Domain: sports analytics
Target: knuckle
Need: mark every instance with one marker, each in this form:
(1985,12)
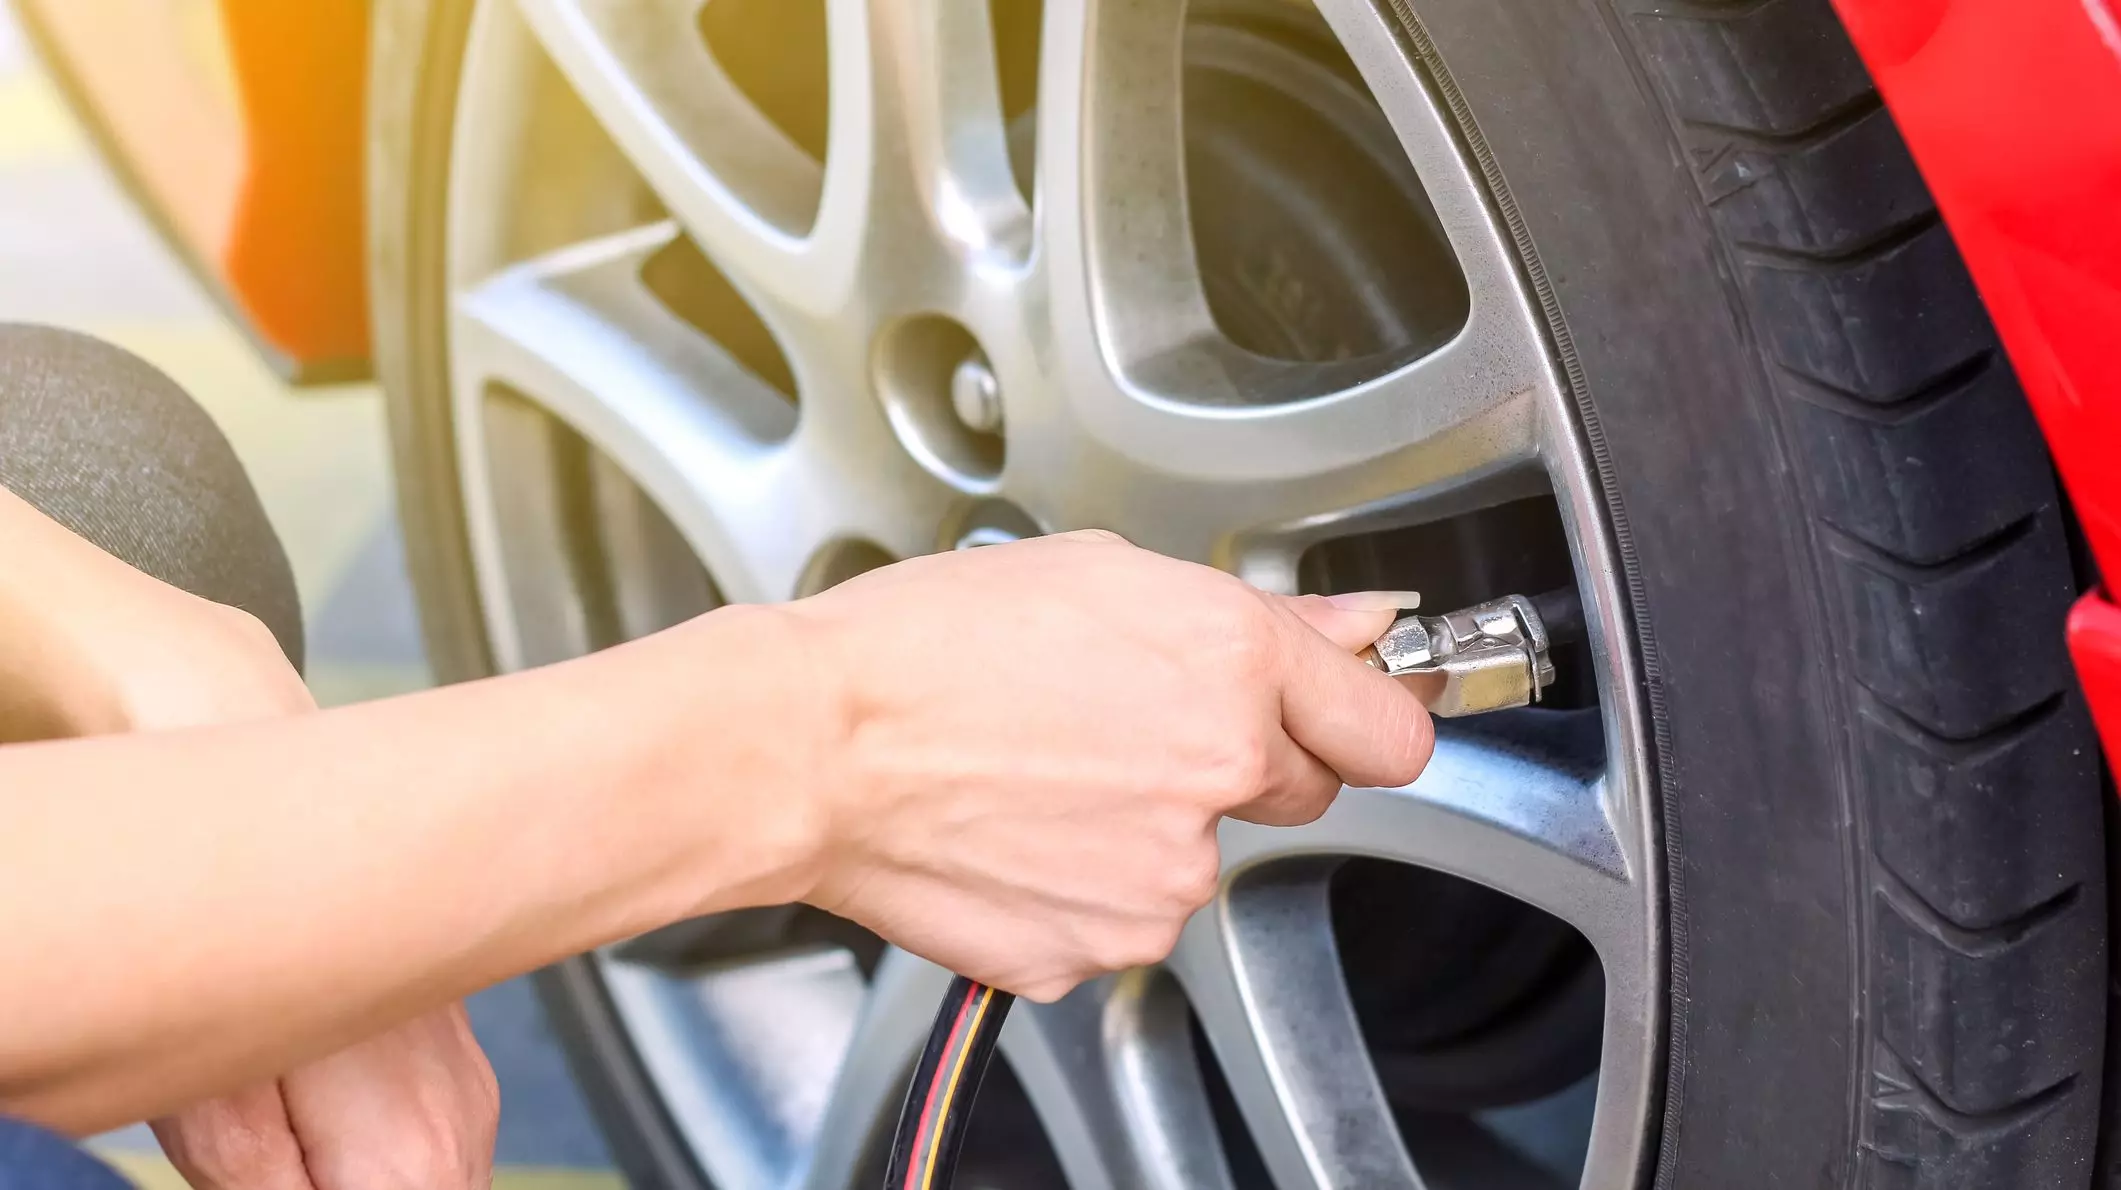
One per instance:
(1240,770)
(1160,939)
(1279,811)
(485,1105)
(1111,952)
(1304,812)
(1046,991)
(1093,536)
(1117,950)
(1227,618)
(1142,943)
(436,1150)
(1310,802)
(480,1088)
(430,1158)
(240,1140)
(1197,879)
(1240,622)
(230,1157)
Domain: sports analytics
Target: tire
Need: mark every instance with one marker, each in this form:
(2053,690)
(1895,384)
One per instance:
(1848,562)
(1844,550)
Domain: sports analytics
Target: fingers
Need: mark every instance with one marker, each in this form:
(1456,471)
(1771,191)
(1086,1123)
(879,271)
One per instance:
(1090,537)
(241,1141)
(416,1106)
(1299,788)
(1353,621)
(1364,726)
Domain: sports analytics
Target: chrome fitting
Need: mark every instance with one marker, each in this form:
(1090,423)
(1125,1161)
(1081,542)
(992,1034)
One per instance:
(1492,656)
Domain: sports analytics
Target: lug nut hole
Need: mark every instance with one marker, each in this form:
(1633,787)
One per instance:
(839,561)
(944,400)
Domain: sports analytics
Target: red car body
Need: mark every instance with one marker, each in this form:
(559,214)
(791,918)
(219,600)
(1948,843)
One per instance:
(2011,107)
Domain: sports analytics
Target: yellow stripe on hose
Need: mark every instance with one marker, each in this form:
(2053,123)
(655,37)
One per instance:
(942,1107)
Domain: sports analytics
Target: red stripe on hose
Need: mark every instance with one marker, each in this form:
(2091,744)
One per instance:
(935,1084)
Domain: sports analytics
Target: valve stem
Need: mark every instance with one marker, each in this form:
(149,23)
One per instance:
(1493,655)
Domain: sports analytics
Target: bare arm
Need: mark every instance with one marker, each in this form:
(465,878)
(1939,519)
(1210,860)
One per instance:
(202,907)
(168,900)
(190,911)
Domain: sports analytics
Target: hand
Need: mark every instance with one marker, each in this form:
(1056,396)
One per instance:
(95,646)
(1039,740)
(414,1109)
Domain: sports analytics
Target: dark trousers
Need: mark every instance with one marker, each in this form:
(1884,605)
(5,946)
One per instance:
(33,1159)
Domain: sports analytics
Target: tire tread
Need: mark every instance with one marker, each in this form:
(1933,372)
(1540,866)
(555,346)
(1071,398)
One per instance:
(1941,540)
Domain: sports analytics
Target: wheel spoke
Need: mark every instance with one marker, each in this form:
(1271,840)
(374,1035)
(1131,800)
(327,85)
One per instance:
(1209,412)
(579,336)
(1112,181)
(1627,1062)
(920,157)
(1242,448)
(750,1059)
(1521,821)
(1112,1070)
(1263,973)
(735,181)
(1471,420)
(1284,484)
(1455,188)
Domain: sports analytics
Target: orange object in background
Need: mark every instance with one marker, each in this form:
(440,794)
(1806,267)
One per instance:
(237,124)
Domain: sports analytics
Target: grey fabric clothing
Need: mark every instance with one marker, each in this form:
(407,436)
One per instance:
(101,442)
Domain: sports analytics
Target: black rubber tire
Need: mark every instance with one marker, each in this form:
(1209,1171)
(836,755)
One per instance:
(1844,548)
(1846,555)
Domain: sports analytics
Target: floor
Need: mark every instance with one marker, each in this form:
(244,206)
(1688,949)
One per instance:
(74,253)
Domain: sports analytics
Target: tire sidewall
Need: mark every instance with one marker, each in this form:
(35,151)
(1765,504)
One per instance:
(1773,1076)
(1670,396)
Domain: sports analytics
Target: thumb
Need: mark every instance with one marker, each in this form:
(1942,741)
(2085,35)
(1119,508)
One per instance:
(1355,620)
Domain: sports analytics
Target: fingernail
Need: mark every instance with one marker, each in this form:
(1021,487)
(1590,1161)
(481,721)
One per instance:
(1376,601)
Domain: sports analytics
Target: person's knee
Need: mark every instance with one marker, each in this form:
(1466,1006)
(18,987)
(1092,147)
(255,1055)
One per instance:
(101,442)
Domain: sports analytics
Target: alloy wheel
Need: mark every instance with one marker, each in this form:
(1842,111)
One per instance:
(743,305)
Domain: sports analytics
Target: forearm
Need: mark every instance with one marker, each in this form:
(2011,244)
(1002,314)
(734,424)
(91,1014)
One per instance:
(331,874)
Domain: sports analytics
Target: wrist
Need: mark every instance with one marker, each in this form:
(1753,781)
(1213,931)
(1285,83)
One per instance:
(741,746)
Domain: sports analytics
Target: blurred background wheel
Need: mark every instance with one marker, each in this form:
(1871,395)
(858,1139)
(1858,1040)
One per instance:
(1798,879)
